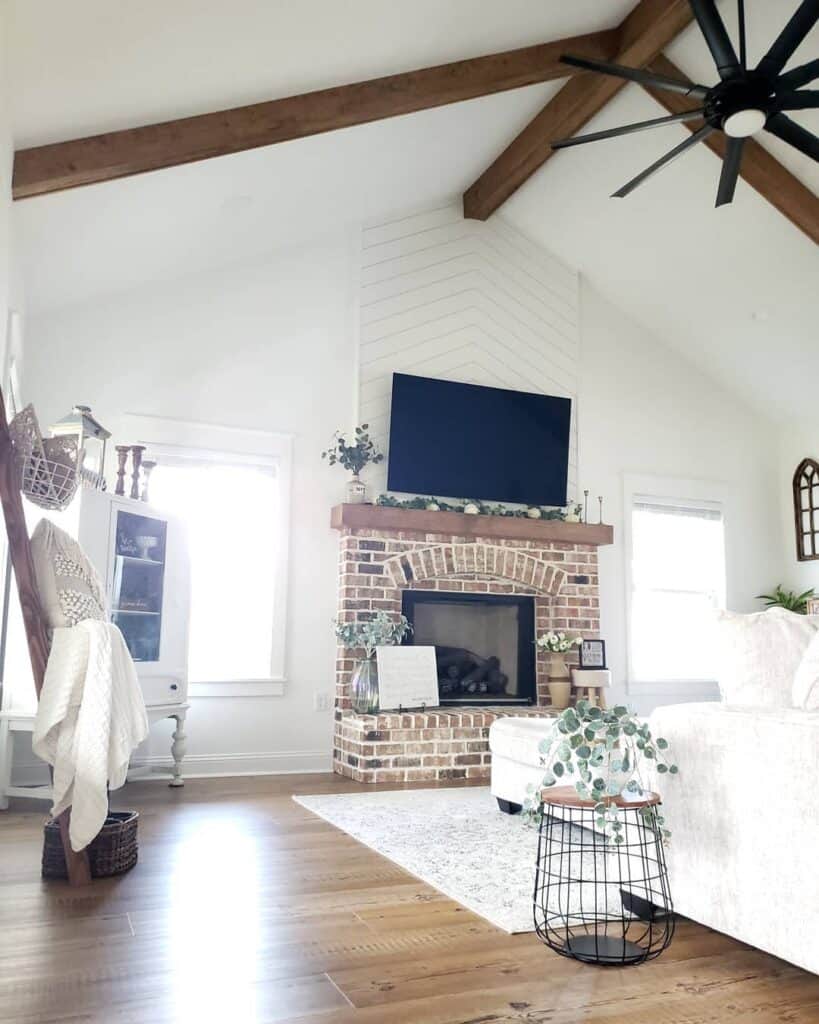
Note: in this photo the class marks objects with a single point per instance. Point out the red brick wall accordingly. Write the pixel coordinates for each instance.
(375, 566)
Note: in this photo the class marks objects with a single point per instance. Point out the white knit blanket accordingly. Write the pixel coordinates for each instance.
(90, 718)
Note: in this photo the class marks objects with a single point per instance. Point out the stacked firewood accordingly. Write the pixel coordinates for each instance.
(463, 672)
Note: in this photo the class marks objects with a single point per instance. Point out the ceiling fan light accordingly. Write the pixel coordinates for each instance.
(744, 123)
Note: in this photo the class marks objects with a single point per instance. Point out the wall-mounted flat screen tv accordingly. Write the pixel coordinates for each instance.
(467, 441)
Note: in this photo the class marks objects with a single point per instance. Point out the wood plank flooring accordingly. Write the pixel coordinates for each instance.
(246, 909)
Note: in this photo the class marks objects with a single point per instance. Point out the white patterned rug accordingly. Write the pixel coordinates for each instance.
(455, 840)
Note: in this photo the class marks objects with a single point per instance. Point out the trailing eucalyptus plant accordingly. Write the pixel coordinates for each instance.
(600, 752)
(380, 631)
(356, 455)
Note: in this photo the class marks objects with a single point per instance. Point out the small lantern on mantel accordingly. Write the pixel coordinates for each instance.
(91, 438)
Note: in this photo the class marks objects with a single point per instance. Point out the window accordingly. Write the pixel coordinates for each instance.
(806, 509)
(231, 490)
(677, 581)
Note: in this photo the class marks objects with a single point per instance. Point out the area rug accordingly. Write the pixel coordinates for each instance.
(455, 840)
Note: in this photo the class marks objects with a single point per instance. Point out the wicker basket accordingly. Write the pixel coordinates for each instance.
(112, 852)
(48, 468)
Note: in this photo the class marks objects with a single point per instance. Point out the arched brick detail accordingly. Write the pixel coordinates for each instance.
(438, 561)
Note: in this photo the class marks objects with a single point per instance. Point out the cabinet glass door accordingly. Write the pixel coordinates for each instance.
(139, 574)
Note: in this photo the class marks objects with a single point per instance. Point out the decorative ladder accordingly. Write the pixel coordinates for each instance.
(79, 871)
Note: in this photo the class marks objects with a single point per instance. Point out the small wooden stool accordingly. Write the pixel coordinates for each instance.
(590, 684)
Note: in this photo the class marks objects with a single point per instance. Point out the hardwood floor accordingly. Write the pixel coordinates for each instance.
(245, 908)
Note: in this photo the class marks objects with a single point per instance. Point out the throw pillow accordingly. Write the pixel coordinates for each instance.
(70, 588)
(760, 654)
(806, 683)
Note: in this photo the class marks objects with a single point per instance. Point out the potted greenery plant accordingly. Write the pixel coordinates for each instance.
(789, 599)
(354, 456)
(560, 685)
(601, 753)
(379, 631)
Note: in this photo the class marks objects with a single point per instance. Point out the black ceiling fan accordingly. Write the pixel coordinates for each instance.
(743, 102)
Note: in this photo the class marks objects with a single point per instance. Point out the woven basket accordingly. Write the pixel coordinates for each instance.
(112, 852)
(48, 469)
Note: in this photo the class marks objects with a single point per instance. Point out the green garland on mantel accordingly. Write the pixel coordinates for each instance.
(570, 514)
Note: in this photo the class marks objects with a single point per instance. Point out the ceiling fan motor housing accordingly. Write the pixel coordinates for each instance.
(739, 105)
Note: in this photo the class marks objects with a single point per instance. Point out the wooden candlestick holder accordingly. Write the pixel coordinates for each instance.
(122, 457)
(136, 455)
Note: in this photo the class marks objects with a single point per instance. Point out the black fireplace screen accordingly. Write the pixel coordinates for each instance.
(484, 644)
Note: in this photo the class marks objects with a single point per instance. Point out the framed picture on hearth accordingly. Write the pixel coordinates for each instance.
(593, 654)
(407, 677)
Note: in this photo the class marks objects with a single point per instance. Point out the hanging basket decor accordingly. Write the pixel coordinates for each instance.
(48, 468)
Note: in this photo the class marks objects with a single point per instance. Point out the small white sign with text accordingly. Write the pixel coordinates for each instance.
(407, 677)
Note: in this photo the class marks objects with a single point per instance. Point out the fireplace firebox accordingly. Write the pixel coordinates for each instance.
(484, 644)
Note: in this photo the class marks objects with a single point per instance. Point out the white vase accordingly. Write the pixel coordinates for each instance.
(356, 491)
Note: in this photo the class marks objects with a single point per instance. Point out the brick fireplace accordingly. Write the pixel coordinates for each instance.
(385, 552)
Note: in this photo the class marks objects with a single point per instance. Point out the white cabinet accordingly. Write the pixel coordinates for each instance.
(142, 556)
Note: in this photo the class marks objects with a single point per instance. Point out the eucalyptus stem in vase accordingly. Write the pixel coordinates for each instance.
(354, 456)
(381, 630)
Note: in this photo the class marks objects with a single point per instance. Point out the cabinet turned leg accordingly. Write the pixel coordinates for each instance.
(178, 751)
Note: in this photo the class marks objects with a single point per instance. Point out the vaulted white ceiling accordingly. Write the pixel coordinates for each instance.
(734, 289)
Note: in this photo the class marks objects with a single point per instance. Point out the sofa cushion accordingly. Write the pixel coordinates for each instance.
(759, 656)
(806, 682)
(70, 589)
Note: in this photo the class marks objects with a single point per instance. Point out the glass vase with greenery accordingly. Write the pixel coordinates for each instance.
(602, 753)
(354, 456)
(382, 630)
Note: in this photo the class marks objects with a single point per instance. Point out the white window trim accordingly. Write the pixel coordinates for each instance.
(252, 447)
(670, 491)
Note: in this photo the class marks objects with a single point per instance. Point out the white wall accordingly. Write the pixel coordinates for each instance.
(797, 440)
(267, 347)
(645, 410)
(463, 300)
(273, 346)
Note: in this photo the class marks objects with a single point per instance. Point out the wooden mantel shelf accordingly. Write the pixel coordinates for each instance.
(458, 524)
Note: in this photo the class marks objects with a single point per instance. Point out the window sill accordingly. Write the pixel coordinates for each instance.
(239, 688)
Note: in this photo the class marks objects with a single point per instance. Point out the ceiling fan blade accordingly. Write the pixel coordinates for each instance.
(692, 140)
(637, 75)
(730, 171)
(627, 129)
(803, 100)
(789, 131)
(804, 18)
(799, 76)
(716, 35)
(743, 51)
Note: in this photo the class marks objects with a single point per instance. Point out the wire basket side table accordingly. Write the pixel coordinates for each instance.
(595, 900)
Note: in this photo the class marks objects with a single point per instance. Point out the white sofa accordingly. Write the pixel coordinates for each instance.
(516, 758)
(744, 818)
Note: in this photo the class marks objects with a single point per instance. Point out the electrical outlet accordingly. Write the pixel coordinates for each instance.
(321, 701)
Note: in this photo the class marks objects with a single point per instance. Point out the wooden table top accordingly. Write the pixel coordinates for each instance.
(567, 796)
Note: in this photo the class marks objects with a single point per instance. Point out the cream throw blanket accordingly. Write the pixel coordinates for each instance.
(90, 717)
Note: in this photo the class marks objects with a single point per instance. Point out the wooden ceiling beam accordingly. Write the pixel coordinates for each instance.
(759, 168)
(98, 158)
(642, 36)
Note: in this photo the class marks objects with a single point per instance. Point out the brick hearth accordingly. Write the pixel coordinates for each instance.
(384, 551)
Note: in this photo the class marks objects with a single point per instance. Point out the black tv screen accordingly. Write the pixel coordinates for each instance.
(467, 441)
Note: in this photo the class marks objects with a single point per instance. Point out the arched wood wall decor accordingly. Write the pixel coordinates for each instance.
(806, 509)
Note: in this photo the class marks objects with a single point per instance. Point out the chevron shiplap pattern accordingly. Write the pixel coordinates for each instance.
(461, 300)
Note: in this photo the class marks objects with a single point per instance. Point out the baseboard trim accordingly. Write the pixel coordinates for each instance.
(285, 762)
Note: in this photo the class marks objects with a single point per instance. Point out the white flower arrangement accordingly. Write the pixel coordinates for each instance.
(558, 643)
